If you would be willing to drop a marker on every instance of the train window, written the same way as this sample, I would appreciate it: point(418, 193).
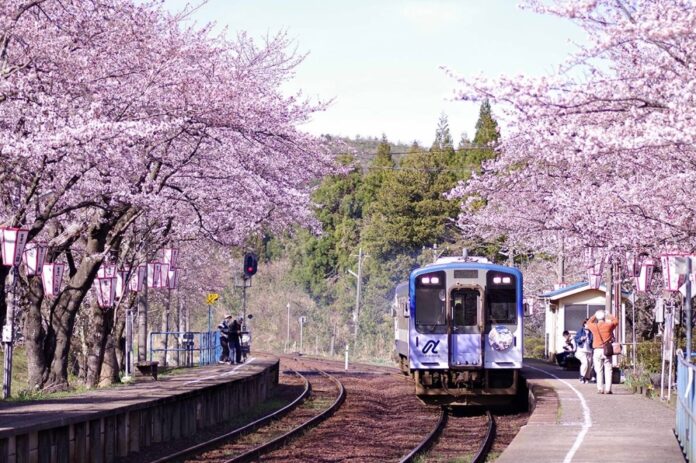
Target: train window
point(431, 316)
point(465, 303)
point(501, 298)
point(502, 306)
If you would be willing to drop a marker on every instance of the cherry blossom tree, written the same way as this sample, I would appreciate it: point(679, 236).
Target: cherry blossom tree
point(115, 113)
point(601, 153)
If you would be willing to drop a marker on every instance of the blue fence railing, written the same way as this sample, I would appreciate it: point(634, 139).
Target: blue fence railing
point(685, 428)
point(191, 347)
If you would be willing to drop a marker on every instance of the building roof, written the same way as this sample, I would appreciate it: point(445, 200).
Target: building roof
point(575, 288)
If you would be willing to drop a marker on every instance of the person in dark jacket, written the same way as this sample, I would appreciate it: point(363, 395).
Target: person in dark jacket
point(235, 331)
point(583, 339)
point(224, 328)
point(568, 350)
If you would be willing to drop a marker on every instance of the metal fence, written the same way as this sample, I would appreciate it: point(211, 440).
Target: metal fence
point(686, 406)
point(189, 348)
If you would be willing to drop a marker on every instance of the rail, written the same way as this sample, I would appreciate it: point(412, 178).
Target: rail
point(278, 442)
point(198, 448)
point(685, 428)
point(485, 447)
point(426, 443)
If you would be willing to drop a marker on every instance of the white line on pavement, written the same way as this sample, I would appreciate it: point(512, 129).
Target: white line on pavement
point(587, 419)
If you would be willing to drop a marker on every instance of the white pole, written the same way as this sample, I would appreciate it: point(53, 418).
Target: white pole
point(301, 325)
point(287, 335)
point(346, 367)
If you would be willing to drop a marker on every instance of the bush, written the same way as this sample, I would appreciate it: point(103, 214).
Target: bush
point(650, 356)
point(534, 347)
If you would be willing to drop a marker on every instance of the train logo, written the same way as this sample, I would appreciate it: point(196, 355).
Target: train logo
point(431, 346)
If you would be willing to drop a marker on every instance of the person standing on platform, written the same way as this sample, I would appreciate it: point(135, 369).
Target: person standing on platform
point(602, 328)
point(224, 328)
point(583, 339)
point(235, 332)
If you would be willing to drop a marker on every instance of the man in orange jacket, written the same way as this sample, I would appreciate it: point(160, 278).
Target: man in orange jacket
point(602, 331)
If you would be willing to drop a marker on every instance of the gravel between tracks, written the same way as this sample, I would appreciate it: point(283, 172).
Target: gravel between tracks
point(381, 419)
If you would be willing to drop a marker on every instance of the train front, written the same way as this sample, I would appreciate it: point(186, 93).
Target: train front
point(465, 333)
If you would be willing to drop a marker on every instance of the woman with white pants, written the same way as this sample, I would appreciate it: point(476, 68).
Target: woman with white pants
point(602, 331)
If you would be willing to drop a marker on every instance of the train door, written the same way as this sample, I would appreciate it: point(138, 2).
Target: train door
point(466, 304)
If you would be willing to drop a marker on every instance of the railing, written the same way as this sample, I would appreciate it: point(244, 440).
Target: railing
point(686, 406)
point(201, 348)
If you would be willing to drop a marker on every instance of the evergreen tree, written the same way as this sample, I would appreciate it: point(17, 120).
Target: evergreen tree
point(464, 141)
point(443, 138)
point(379, 169)
point(486, 127)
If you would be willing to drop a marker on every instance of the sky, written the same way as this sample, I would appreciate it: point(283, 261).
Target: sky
point(379, 60)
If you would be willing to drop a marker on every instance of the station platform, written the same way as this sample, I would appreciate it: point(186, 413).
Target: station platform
point(102, 425)
point(573, 423)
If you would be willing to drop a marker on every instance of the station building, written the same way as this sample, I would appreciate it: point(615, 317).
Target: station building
point(565, 309)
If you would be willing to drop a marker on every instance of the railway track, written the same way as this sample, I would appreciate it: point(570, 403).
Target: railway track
point(434, 435)
point(220, 448)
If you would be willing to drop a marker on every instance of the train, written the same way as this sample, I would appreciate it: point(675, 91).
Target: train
point(458, 330)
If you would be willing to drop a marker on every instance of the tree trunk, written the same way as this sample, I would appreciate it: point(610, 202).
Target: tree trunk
point(100, 331)
point(68, 303)
point(110, 368)
point(35, 336)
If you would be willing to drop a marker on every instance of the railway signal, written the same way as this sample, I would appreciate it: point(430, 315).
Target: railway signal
point(250, 264)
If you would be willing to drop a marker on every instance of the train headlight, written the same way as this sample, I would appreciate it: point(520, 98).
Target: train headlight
point(500, 338)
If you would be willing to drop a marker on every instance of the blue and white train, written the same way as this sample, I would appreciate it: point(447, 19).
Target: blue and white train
point(459, 331)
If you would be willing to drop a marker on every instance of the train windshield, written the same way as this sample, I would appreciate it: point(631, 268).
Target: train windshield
point(430, 308)
point(501, 298)
point(465, 306)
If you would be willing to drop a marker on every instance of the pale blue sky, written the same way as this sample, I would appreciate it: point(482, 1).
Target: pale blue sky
point(379, 60)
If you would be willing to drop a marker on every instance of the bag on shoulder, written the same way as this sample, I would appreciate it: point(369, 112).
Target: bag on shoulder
point(611, 348)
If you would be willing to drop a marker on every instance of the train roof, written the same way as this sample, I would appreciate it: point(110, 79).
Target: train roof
point(459, 264)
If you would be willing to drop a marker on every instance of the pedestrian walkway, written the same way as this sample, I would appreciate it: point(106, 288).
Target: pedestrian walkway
point(572, 423)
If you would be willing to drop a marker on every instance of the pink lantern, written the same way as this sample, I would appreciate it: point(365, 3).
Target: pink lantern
point(121, 278)
point(13, 242)
point(173, 278)
point(645, 278)
point(51, 277)
point(164, 276)
point(137, 281)
point(106, 292)
point(670, 276)
point(34, 256)
point(106, 271)
point(170, 256)
point(154, 270)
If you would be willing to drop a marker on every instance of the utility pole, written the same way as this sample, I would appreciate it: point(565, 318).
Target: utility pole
point(358, 276)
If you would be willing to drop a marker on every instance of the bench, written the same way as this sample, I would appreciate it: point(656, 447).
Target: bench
point(147, 369)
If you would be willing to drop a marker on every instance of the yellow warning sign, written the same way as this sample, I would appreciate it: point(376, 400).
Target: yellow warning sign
point(212, 298)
